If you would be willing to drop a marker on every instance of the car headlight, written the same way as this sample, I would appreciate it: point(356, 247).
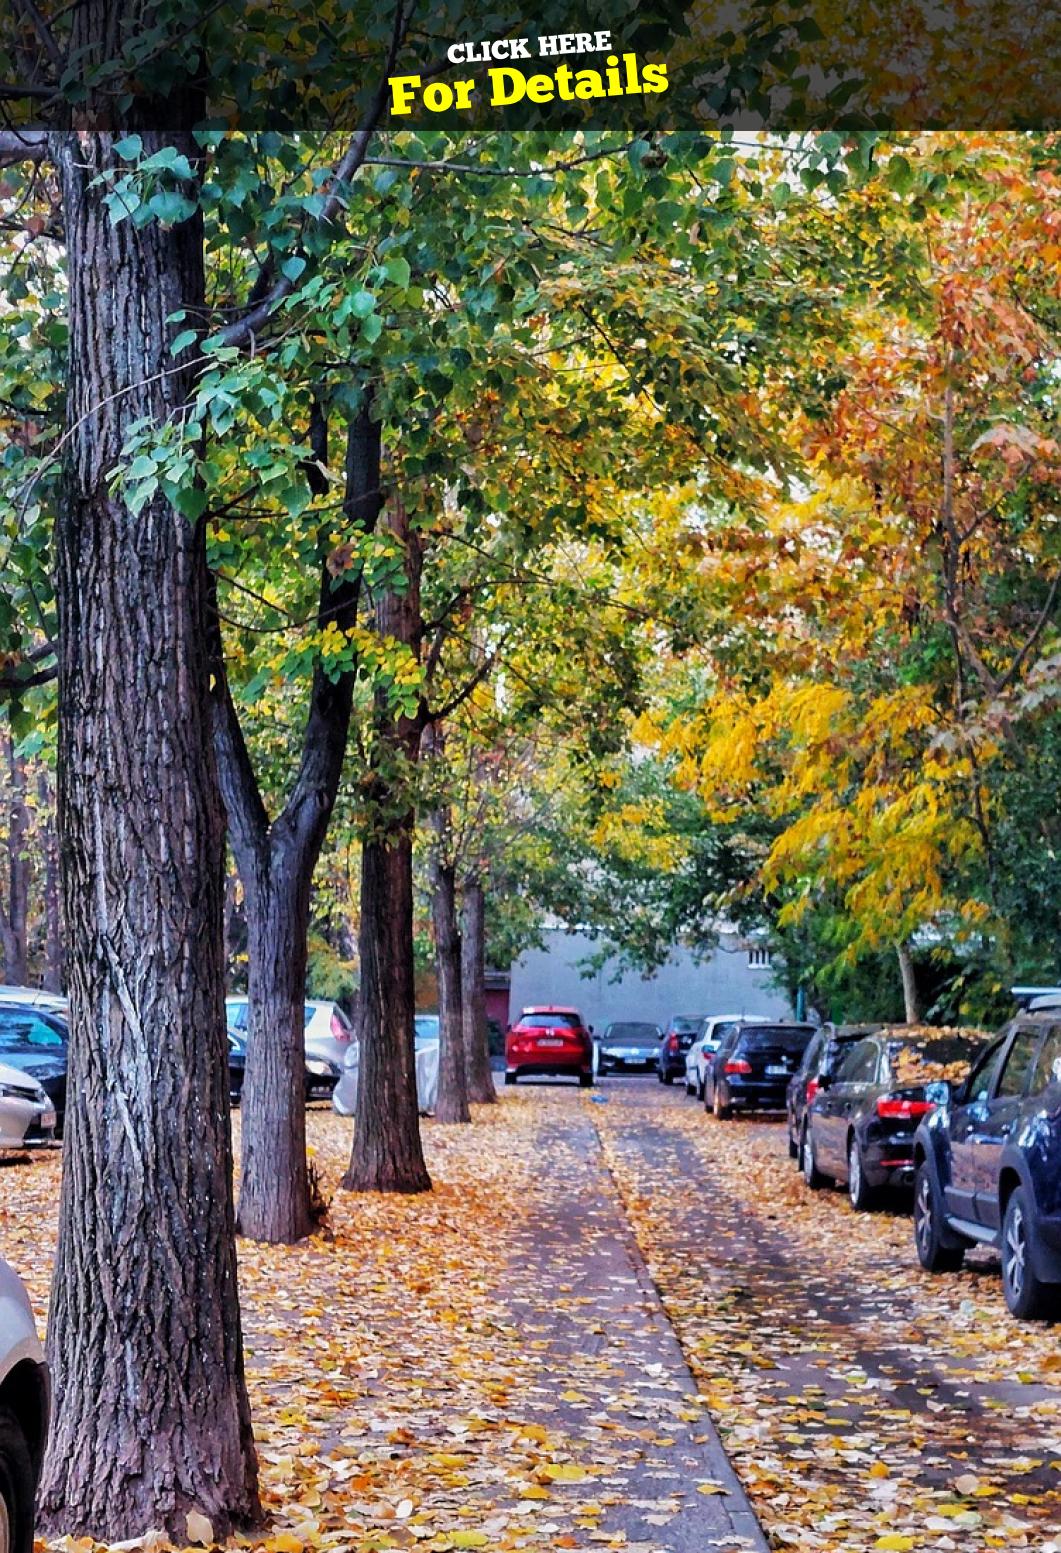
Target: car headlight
point(321, 1069)
point(31, 1092)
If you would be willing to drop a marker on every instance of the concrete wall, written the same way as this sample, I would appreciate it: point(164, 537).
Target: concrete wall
point(724, 983)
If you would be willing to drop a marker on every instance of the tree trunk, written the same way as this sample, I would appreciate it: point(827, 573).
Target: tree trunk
point(151, 1417)
point(274, 1198)
point(387, 1154)
point(276, 862)
point(480, 1078)
point(16, 957)
point(54, 973)
point(452, 1102)
point(911, 1000)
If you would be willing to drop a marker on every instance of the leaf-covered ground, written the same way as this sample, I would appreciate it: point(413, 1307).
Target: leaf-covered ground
point(488, 1367)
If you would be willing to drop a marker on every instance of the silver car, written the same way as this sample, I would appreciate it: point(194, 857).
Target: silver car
point(24, 1404)
point(26, 1115)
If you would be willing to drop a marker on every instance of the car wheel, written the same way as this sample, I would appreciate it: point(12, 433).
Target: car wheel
point(1026, 1295)
point(667, 1077)
point(690, 1089)
point(585, 1081)
point(808, 1160)
point(862, 1195)
point(793, 1146)
point(16, 1487)
point(700, 1089)
point(720, 1111)
point(933, 1255)
point(510, 1078)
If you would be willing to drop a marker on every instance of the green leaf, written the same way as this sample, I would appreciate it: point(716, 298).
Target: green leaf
point(129, 147)
point(170, 207)
point(184, 339)
point(398, 271)
point(362, 303)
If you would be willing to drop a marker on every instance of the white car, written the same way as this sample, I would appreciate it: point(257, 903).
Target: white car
point(26, 1116)
point(25, 1396)
point(328, 1033)
point(428, 1047)
point(706, 1045)
point(35, 997)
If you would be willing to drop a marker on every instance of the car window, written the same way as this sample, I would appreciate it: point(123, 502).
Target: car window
point(978, 1084)
point(237, 1016)
point(532, 1020)
point(857, 1064)
point(811, 1055)
point(1048, 1064)
point(24, 1031)
point(1013, 1080)
point(789, 1038)
point(726, 1028)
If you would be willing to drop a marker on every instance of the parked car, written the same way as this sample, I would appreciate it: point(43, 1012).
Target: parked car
point(705, 1045)
point(322, 1074)
point(861, 1123)
point(27, 1116)
point(628, 1047)
point(328, 1034)
point(821, 1056)
point(427, 1044)
point(988, 1162)
point(752, 1066)
point(34, 997)
point(681, 1032)
point(25, 1399)
point(36, 1043)
point(549, 1040)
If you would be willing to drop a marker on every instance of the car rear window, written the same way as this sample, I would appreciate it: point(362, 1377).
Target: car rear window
point(767, 1037)
point(631, 1032)
point(535, 1021)
point(682, 1025)
point(928, 1055)
point(28, 1032)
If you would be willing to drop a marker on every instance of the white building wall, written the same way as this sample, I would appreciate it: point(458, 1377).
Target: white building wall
point(723, 983)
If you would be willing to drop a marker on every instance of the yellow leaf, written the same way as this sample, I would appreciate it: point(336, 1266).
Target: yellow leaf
point(284, 1542)
point(469, 1539)
point(710, 1488)
point(895, 1542)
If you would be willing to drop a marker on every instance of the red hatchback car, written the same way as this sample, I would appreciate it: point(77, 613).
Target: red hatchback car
point(549, 1040)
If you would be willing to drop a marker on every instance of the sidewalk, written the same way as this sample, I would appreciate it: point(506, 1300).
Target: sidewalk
point(606, 1372)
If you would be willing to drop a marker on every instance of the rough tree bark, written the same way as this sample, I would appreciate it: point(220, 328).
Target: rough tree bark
point(387, 1154)
point(151, 1416)
point(480, 1079)
point(54, 973)
point(451, 1105)
point(15, 921)
point(276, 860)
point(911, 999)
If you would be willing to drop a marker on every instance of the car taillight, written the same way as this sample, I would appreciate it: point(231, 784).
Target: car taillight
point(812, 1089)
point(339, 1030)
point(737, 1065)
point(672, 1043)
point(894, 1108)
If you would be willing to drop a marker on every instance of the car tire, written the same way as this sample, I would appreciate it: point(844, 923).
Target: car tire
point(861, 1195)
point(667, 1077)
point(585, 1081)
point(793, 1146)
point(510, 1078)
point(812, 1176)
point(700, 1090)
point(17, 1486)
point(1028, 1297)
point(933, 1255)
point(720, 1112)
point(690, 1089)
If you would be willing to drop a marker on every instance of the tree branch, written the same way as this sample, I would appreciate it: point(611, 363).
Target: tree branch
point(242, 331)
point(22, 145)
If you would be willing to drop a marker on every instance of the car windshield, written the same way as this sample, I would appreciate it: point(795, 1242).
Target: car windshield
point(531, 1019)
point(631, 1034)
point(790, 1038)
point(427, 1028)
point(682, 1024)
point(933, 1056)
point(21, 1030)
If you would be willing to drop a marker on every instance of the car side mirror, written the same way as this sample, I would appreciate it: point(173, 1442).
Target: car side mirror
point(825, 1081)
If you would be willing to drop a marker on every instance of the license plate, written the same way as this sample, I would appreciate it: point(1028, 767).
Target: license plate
point(47, 1118)
point(545, 1040)
point(776, 1071)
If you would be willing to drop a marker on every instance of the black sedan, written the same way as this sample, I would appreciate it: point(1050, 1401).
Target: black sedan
point(628, 1047)
point(861, 1123)
point(752, 1067)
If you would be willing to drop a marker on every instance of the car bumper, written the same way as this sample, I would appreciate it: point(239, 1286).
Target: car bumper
point(642, 1062)
point(545, 1069)
point(889, 1160)
point(758, 1095)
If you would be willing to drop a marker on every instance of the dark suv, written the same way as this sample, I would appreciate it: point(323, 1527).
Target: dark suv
point(753, 1065)
point(679, 1035)
point(989, 1167)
